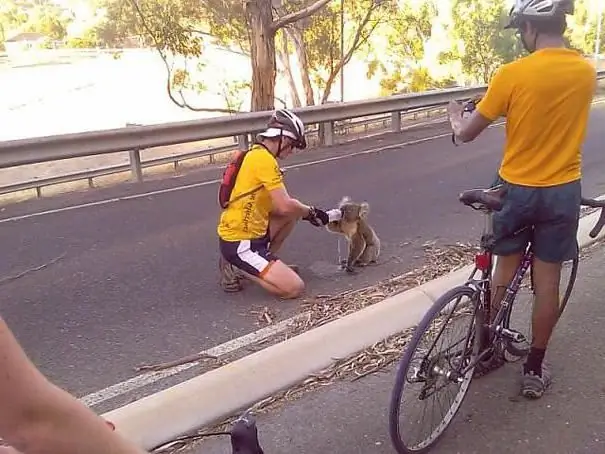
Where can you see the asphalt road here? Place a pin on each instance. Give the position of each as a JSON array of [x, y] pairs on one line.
[[493, 418], [136, 280]]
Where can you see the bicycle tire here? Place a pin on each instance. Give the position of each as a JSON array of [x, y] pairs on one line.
[[404, 365], [570, 284], [520, 352]]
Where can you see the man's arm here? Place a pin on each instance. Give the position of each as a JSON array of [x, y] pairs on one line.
[[269, 175], [37, 417], [286, 205], [467, 129], [493, 105]]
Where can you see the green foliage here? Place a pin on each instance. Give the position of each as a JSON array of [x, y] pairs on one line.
[[320, 36], [483, 44], [230, 90], [12, 17], [44, 17], [416, 80], [225, 20], [168, 25], [400, 62], [581, 32]]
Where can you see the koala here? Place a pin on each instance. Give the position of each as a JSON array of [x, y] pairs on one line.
[[364, 244]]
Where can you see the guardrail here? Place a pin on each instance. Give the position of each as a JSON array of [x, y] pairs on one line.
[[136, 138]]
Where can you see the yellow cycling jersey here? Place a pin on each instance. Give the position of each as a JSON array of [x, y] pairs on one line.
[[546, 98], [248, 217]]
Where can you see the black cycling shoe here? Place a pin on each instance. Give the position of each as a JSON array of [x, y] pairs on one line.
[[244, 437]]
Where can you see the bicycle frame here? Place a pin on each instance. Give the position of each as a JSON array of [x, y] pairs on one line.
[[483, 285], [484, 262]]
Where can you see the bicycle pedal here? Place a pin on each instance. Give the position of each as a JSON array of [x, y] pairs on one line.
[[512, 335]]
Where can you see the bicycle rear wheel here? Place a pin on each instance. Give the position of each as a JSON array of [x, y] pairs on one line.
[[519, 316], [435, 369]]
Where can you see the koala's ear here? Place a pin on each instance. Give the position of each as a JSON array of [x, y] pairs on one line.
[[364, 209]]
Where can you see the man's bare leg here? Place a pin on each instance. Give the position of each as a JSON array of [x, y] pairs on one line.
[[279, 280], [547, 278], [504, 272], [536, 378], [280, 227]]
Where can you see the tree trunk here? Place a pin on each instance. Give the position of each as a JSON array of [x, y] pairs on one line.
[[285, 60], [262, 52], [301, 55]]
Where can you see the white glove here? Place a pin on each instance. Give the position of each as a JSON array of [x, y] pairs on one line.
[[334, 215]]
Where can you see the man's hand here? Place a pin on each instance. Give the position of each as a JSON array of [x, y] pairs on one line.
[[454, 111], [466, 128], [317, 217]]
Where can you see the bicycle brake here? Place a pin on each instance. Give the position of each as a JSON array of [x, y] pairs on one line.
[[244, 437]]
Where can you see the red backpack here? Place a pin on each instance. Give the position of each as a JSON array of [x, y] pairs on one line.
[[228, 181]]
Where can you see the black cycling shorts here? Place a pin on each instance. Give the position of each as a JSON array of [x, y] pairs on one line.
[[252, 256]]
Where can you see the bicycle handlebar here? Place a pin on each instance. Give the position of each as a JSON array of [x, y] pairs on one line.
[[594, 203]]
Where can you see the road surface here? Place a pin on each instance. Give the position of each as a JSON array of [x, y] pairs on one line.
[[493, 418], [131, 281]]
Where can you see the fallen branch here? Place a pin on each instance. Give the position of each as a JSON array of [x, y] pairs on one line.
[[177, 362], [4, 280]]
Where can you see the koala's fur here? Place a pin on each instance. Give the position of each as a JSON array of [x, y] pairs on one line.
[[364, 244]]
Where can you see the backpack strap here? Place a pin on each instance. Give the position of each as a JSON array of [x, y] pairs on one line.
[[245, 194]]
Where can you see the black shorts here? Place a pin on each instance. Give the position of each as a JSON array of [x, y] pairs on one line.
[[252, 256], [553, 211]]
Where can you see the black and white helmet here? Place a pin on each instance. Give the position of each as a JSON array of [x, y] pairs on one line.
[[536, 10], [285, 122]]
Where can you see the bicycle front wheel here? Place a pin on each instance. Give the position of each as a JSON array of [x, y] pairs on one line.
[[430, 367]]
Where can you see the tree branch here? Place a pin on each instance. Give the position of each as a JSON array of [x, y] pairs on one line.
[[157, 46], [358, 41], [298, 15]]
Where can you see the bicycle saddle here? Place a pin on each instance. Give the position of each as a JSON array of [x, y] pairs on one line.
[[244, 437], [486, 199]]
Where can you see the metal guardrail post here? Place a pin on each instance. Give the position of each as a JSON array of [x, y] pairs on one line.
[[135, 164], [328, 131], [135, 160], [242, 142], [396, 121]]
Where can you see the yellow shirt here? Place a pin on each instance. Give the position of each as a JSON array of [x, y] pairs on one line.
[[248, 217], [546, 98]]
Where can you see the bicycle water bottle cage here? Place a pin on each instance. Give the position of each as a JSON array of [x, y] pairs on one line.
[[244, 437]]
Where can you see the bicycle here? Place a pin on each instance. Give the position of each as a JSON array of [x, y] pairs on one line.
[[484, 342]]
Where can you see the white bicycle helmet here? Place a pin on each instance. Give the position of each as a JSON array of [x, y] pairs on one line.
[[285, 122], [536, 10]]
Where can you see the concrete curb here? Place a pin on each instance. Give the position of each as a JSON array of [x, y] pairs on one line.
[[221, 392]]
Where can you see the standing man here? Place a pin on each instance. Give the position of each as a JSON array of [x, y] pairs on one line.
[[259, 214], [546, 99]]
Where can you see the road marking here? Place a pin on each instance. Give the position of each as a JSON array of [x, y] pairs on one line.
[[209, 182], [149, 378]]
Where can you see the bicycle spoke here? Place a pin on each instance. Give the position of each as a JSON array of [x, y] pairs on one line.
[[452, 332]]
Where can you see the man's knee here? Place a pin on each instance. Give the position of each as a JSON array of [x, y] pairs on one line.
[[287, 282], [294, 289]]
